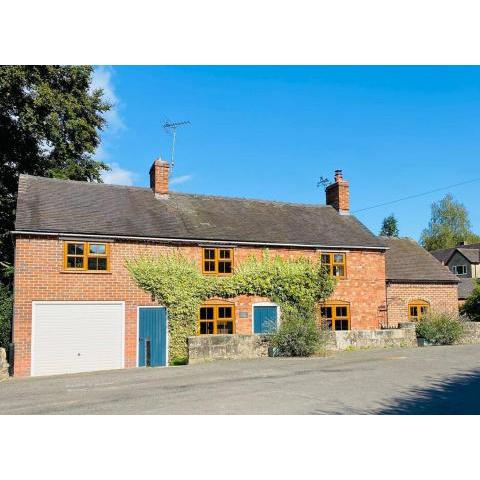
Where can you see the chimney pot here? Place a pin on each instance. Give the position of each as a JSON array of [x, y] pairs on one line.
[[338, 194], [159, 173]]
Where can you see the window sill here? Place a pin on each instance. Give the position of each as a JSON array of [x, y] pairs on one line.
[[88, 272]]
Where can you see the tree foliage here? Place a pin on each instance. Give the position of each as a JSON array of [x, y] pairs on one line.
[[471, 307], [50, 119], [175, 282], [6, 311], [389, 226], [449, 225]]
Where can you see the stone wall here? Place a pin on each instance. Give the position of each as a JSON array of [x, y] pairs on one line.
[[3, 364], [343, 340], [205, 348], [471, 333]]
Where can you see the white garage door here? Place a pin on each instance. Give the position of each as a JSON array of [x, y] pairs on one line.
[[70, 337]]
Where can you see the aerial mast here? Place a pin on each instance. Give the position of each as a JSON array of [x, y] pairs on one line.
[[171, 127]]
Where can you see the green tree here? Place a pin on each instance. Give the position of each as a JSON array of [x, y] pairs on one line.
[[449, 225], [50, 123], [471, 307], [6, 311], [389, 226]]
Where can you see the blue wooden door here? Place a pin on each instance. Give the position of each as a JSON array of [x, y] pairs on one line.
[[264, 319], [152, 337]]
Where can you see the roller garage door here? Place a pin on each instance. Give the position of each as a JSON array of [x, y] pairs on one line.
[[69, 337]]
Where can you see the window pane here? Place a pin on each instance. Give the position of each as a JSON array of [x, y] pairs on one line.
[[206, 313], [413, 312], [224, 312], [326, 259], [224, 328], [98, 248], [424, 310], [338, 271], [92, 263], [341, 324], [71, 249], [209, 266], [224, 253], [74, 262], [341, 311], [225, 267], [327, 324], [326, 312], [206, 328], [102, 263], [339, 258], [209, 253]]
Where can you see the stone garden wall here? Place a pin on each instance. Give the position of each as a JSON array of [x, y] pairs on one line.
[[204, 348], [3, 364]]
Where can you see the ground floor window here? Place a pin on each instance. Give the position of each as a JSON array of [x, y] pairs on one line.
[[417, 310], [335, 316], [217, 319]]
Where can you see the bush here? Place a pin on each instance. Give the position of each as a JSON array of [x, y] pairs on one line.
[[471, 307], [298, 335], [6, 312], [440, 329]]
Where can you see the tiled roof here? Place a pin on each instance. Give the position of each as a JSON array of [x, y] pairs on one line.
[[407, 261], [62, 206], [470, 254], [465, 287]]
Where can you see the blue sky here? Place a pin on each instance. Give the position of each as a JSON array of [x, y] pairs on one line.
[[271, 132]]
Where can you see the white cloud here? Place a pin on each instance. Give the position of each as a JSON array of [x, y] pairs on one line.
[[181, 179], [103, 78], [118, 175]]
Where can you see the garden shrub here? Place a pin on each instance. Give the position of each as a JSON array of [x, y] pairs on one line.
[[6, 313], [440, 328], [176, 282], [298, 335], [471, 307]]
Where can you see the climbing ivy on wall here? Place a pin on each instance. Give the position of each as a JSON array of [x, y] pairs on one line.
[[176, 282]]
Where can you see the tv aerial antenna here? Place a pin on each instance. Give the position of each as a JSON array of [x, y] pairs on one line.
[[171, 128]]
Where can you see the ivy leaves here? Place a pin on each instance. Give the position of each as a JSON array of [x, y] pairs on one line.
[[176, 282]]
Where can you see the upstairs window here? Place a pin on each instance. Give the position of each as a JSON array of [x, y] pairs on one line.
[[86, 256], [217, 261], [216, 319], [335, 316], [417, 310], [460, 269], [335, 263]]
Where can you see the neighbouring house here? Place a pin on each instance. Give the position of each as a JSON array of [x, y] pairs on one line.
[[417, 283], [464, 261], [76, 308]]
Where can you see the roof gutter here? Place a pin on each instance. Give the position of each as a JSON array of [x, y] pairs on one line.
[[193, 240]]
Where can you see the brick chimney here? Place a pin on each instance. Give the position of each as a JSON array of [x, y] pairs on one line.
[[159, 177], [338, 194]]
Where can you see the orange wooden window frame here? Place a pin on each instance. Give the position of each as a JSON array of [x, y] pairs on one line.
[[419, 304], [215, 318], [333, 306], [216, 260], [86, 255], [332, 263]]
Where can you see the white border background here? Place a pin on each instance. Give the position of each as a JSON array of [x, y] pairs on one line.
[[246, 32]]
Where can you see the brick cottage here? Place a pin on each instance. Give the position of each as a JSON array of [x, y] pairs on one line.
[[76, 307]]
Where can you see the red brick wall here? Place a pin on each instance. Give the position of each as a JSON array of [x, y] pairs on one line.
[[39, 276], [442, 298]]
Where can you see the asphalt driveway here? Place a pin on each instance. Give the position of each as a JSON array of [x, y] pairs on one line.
[[434, 380]]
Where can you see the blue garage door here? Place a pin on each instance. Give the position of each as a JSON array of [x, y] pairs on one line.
[[152, 337], [264, 319]]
